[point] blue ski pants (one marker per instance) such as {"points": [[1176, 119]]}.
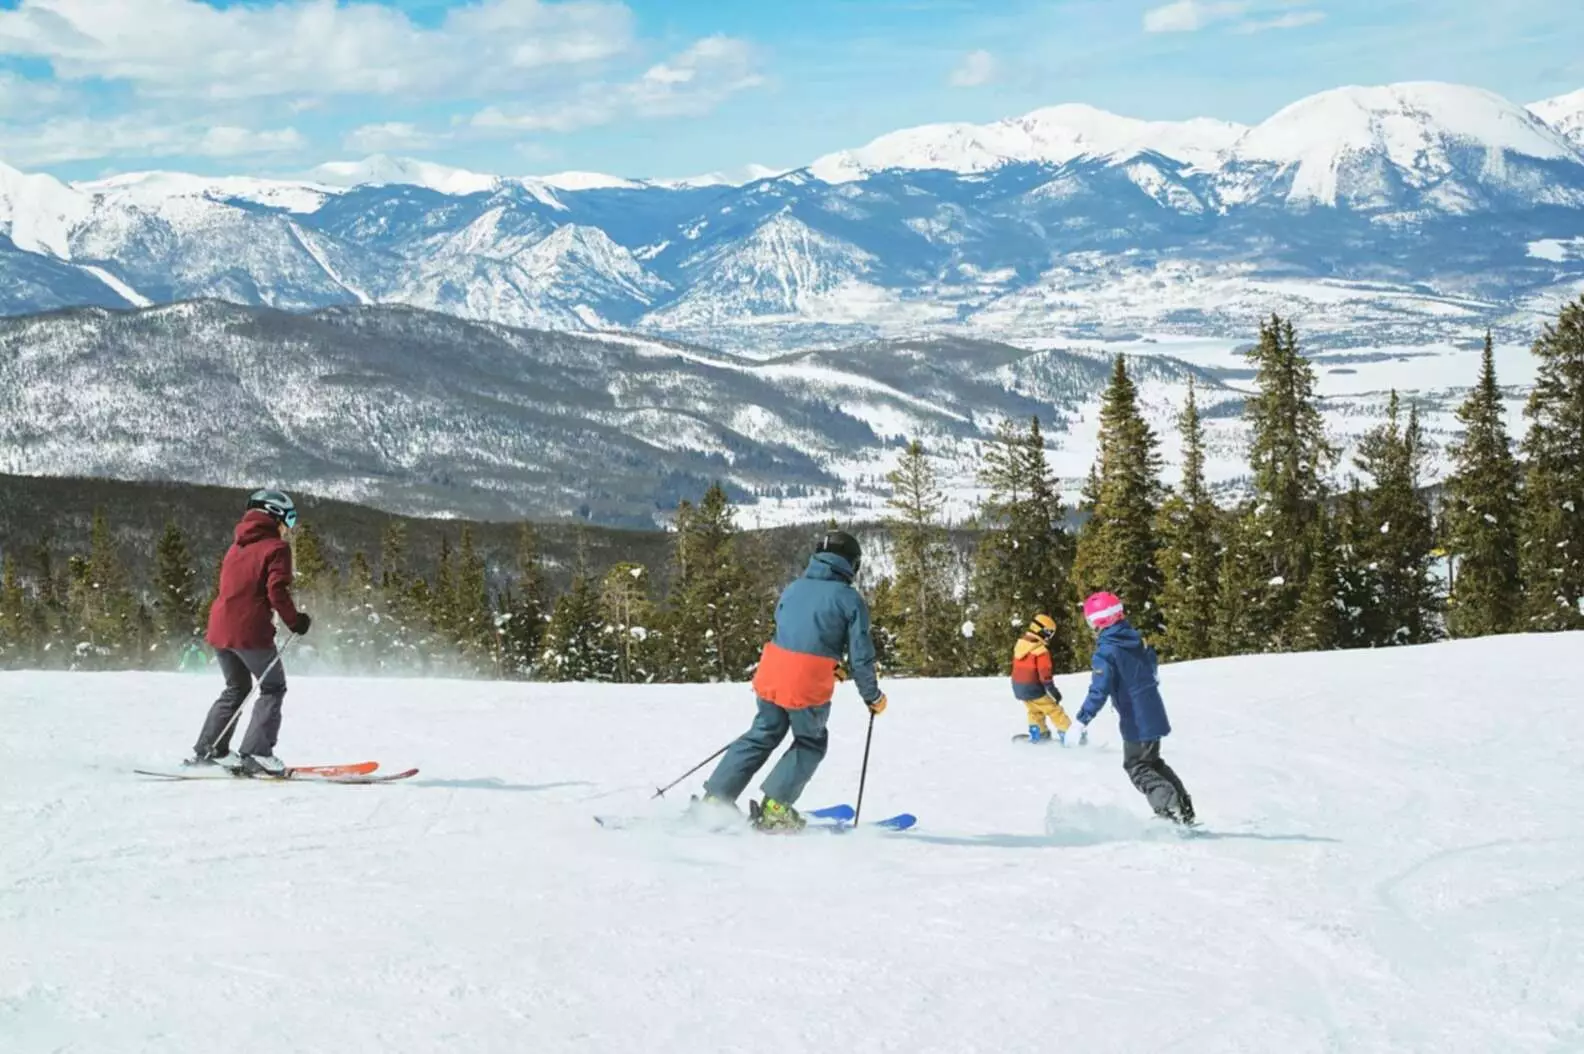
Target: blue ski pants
{"points": [[753, 748]]}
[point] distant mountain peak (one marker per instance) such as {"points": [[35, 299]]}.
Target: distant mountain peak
{"points": [[1356, 145], [1052, 135], [1565, 113]]}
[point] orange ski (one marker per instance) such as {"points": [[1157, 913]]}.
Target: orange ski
{"points": [[361, 768]]}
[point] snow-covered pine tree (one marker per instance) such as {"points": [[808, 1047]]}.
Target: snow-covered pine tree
{"points": [[1024, 557], [1188, 555], [524, 609], [1117, 547], [1401, 536], [624, 595], [1481, 514], [1551, 553], [1289, 456], [577, 641]]}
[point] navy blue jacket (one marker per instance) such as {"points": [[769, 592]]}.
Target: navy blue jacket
{"points": [[1124, 669]]}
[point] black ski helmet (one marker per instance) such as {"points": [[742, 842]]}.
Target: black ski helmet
{"points": [[843, 545], [276, 503]]}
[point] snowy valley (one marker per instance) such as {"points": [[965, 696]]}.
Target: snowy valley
{"points": [[1378, 872]]}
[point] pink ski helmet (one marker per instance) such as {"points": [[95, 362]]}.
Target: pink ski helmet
{"points": [[1102, 610]]}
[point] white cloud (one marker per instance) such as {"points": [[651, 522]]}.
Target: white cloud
{"points": [[1291, 20], [1189, 16], [22, 97], [976, 68], [80, 139], [388, 137], [690, 83], [294, 48]]}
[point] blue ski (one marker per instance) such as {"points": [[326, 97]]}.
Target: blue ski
{"points": [[842, 817]]}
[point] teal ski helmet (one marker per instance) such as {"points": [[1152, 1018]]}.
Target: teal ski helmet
{"points": [[276, 503]]}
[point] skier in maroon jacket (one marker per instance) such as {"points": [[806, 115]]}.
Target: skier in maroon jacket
{"points": [[255, 585]]}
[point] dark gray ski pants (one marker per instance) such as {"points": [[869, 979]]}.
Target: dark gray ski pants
{"points": [[239, 669], [1153, 777], [753, 748]]}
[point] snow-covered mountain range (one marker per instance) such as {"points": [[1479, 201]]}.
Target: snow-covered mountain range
{"points": [[1401, 214]]}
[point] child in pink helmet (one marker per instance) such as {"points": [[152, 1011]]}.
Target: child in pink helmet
{"points": [[1124, 669]]}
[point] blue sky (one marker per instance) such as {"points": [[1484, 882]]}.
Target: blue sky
{"points": [[669, 88]]}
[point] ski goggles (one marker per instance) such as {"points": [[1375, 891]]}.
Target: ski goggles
{"points": [[290, 519]]}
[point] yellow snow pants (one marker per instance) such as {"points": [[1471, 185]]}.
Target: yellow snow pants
{"points": [[1043, 707]]}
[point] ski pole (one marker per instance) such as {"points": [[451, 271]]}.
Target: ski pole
{"points": [[257, 687], [863, 774], [660, 791]]}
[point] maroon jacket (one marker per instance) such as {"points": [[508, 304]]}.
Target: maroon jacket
{"points": [[255, 577]]}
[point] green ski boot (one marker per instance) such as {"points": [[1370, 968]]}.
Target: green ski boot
{"points": [[773, 816]]}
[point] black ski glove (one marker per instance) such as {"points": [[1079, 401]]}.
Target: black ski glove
{"points": [[301, 625]]}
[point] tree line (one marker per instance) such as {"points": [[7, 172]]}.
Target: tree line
{"points": [[1302, 563]]}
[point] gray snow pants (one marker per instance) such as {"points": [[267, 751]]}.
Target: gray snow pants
{"points": [[1154, 778], [753, 748], [239, 669]]}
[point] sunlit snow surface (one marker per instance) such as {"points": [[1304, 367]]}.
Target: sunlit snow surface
{"points": [[1393, 861]]}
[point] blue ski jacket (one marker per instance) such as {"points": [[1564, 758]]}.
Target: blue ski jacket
{"points": [[1124, 669], [819, 619]]}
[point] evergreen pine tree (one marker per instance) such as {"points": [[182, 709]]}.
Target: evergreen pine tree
{"points": [[1024, 556], [1401, 535], [1117, 547], [718, 614], [1481, 514], [1238, 628], [1360, 615], [1551, 554], [929, 622], [524, 608], [103, 605], [1318, 622], [312, 574], [442, 596], [1188, 558], [1289, 457], [473, 621], [883, 619], [628, 615], [16, 624], [577, 642], [177, 592]]}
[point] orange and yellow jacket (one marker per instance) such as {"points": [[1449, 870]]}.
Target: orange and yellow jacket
{"points": [[1032, 676]]}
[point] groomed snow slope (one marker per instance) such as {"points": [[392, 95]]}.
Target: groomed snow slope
{"points": [[1396, 863]]}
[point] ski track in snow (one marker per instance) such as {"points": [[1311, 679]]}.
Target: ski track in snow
{"points": [[1393, 861]]}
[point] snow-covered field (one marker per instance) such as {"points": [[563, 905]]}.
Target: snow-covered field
{"points": [[1395, 862]]}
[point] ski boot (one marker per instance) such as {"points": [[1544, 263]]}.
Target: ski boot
{"points": [[263, 765], [1061, 737], [1035, 735], [773, 816], [227, 761]]}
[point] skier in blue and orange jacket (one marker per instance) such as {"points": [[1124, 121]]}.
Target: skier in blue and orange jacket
{"points": [[820, 619], [1034, 683]]}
